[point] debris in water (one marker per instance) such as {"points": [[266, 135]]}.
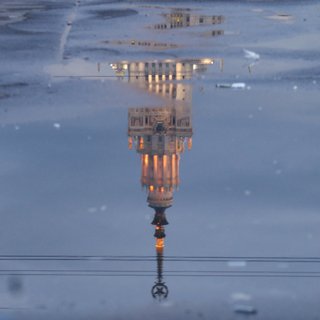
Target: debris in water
{"points": [[281, 17], [223, 85], [57, 125], [251, 55], [238, 85], [295, 88], [235, 85], [245, 309]]}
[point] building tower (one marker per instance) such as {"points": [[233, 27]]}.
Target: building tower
{"points": [[160, 135], [159, 290]]}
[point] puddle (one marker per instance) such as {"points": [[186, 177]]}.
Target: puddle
{"points": [[97, 161]]}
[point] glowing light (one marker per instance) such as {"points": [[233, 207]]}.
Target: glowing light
{"points": [[160, 243], [174, 167], [207, 61], [130, 142], [145, 159], [165, 162], [141, 143], [151, 188], [155, 164]]}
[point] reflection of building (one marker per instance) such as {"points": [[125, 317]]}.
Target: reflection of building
{"points": [[165, 70], [152, 45], [163, 78], [159, 290], [160, 135], [213, 33], [182, 19]]}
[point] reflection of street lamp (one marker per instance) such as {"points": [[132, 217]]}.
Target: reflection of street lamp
{"points": [[159, 291]]}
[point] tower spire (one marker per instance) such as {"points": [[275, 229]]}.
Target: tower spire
{"points": [[159, 291]]}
